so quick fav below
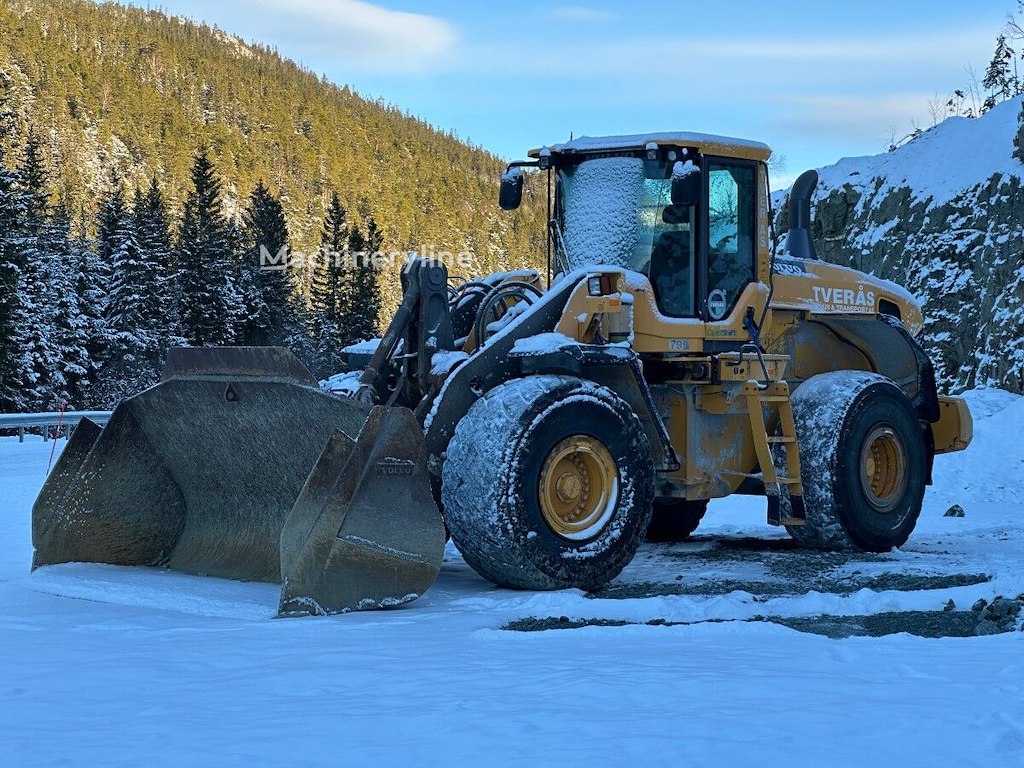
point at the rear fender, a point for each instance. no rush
(893, 353)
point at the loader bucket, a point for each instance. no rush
(337, 549)
(201, 472)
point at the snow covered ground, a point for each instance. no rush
(105, 665)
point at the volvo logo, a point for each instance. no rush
(717, 306)
(390, 466)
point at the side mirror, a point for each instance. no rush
(686, 183)
(511, 194)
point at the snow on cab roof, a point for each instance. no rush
(705, 142)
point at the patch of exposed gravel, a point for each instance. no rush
(786, 569)
(789, 570)
(1001, 615)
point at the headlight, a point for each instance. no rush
(599, 285)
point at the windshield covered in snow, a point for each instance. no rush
(612, 210)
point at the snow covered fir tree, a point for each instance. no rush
(87, 319)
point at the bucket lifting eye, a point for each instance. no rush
(231, 394)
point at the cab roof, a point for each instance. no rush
(705, 142)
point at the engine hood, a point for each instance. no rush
(823, 288)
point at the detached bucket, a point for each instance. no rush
(201, 472)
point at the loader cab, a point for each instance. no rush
(694, 239)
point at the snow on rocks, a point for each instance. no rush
(958, 154)
(941, 215)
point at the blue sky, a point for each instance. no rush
(815, 80)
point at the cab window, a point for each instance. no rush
(731, 213)
(669, 245)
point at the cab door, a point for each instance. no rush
(729, 235)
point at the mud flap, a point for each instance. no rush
(201, 472)
(364, 532)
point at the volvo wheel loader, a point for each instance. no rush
(548, 424)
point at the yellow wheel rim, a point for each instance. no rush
(579, 487)
(883, 468)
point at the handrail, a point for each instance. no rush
(66, 421)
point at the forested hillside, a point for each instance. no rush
(145, 159)
(135, 92)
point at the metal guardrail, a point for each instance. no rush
(47, 421)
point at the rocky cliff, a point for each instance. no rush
(943, 216)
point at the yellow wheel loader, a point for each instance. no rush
(548, 424)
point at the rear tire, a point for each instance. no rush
(863, 461)
(675, 519)
(547, 484)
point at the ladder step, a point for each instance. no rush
(757, 397)
(797, 507)
(799, 516)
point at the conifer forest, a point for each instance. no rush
(129, 225)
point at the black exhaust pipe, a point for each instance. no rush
(799, 244)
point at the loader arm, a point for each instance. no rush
(422, 325)
(491, 365)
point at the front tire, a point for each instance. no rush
(863, 461)
(547, 484)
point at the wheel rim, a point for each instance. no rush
(883, 468)
(579, 487)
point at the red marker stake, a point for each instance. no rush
(60, 421)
